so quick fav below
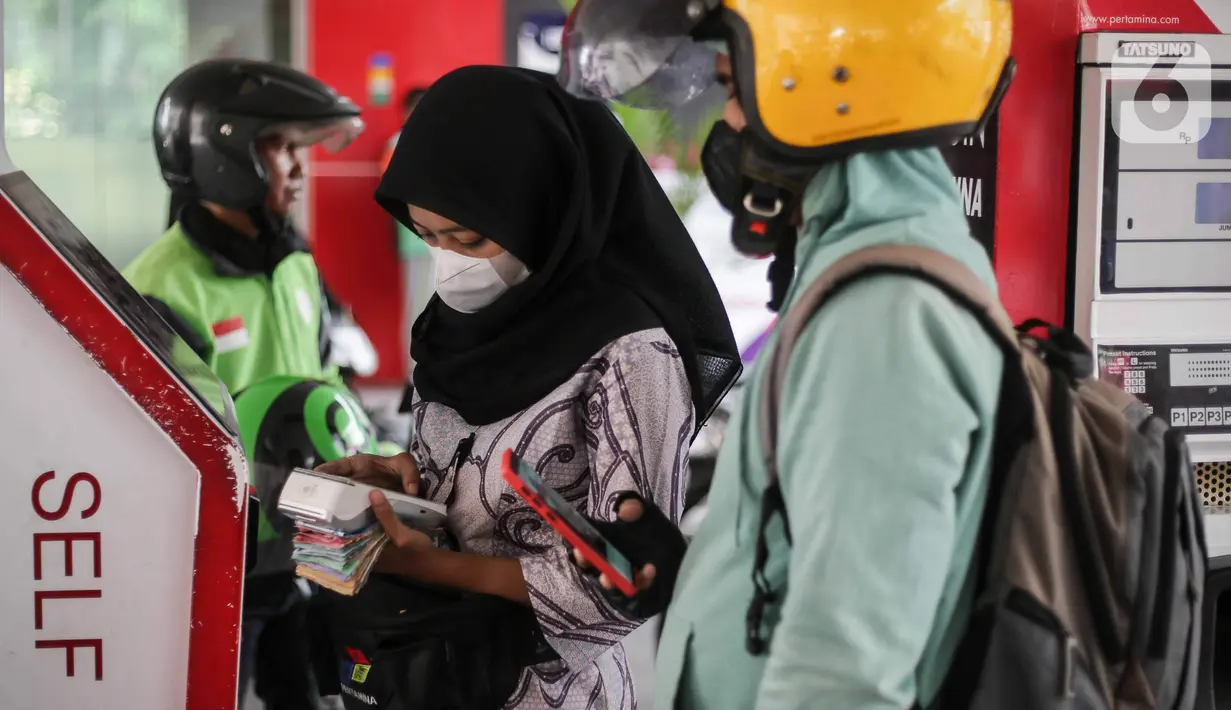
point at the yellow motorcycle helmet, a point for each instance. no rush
(817, 79)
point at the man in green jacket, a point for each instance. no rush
(888, 410)
(236, 281)
(232, 275)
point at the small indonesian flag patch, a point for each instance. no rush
(229, 335)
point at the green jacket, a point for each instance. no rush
(245, 324)
(885, 436)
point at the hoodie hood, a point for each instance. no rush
(890, 197)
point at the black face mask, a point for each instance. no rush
(720, 161)
(760, 211)
(760, 207)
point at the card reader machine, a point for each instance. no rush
(1151, 243)
(342, 504)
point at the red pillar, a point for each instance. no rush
(351, 236)
(1032, 186)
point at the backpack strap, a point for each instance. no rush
(944, 272)
(941, 270)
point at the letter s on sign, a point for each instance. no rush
(67, 499)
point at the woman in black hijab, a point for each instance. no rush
(574, 322)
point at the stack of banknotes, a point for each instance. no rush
(336, 560)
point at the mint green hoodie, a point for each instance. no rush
(885, 444)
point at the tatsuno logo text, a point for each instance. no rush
(1169, 50)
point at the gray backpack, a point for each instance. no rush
(1091, 558)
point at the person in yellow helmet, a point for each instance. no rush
(829, 143)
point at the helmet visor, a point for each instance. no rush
(636, 52)
(333, 135)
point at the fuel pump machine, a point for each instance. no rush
(123, 490)
(1152, 258)
(1151, 262)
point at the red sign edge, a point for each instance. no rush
(217, 585)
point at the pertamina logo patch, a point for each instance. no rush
(356, 672)
(229, 335)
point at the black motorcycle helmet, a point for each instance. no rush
(210, 117)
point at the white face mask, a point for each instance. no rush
(467, 284)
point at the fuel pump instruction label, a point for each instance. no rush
(1187, 385)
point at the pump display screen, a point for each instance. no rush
(1215, 141)
(1213, 203)
(1166, 202)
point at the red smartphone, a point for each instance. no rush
(549, 504)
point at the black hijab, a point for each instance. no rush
(557, 182)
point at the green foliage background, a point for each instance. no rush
(81, 78)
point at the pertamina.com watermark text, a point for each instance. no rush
(1105, 20)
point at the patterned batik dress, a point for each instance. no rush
(622, 423)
